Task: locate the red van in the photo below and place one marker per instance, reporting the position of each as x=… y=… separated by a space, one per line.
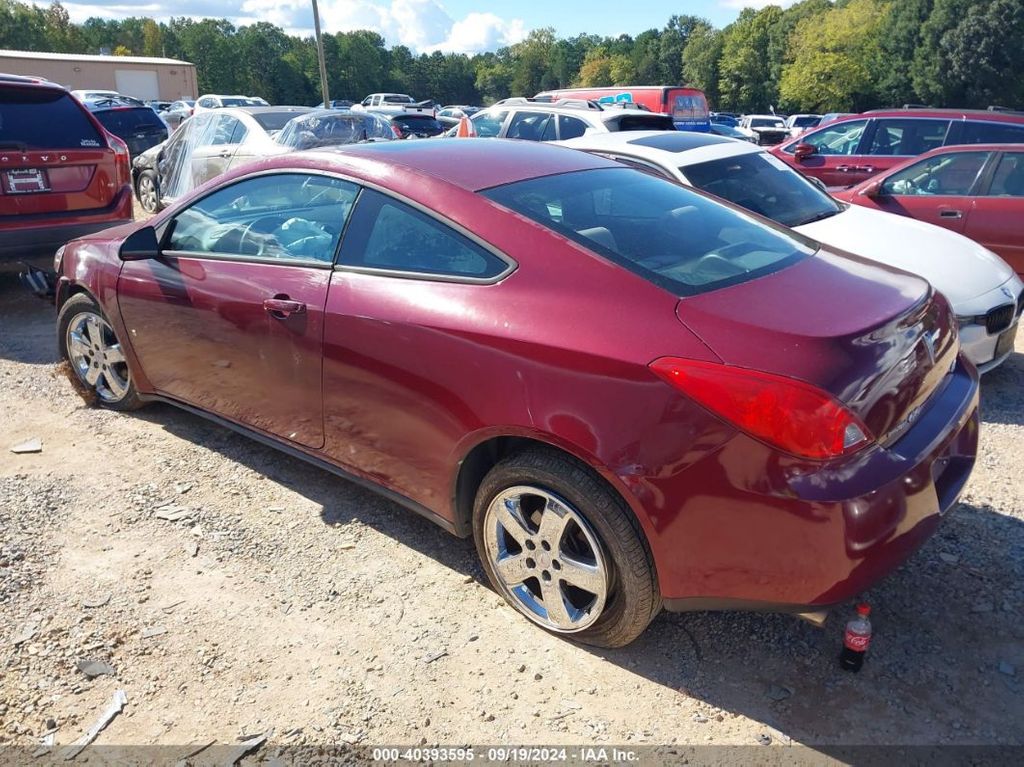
x=688 y=107
x=62 y=174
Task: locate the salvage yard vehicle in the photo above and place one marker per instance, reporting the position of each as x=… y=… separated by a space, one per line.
x=334 y=127
x=205 y=146
x=752 y=421
x=561 y=120
x=395 y=104
x=210 y=101
x=975 y=190
x=850 y=150
x=139 y=127
x=688 y=107
x=766 y=130
x=985 y=293
x=178 y=112
x=62 y=174
x=409 y=124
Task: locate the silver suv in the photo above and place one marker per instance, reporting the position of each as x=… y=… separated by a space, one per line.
x=561 y=120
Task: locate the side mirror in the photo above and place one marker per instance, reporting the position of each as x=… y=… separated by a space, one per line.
x=803 y=151
x=140 y=245
x=874 y=189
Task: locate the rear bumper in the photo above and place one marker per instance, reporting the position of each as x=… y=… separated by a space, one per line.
x=774 y=533
x=33 y=236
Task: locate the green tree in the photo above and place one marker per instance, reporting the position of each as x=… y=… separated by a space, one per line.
x=899 y=44
x=671 y=45
x=836 y=58
x=701 y=58
x=745 y=79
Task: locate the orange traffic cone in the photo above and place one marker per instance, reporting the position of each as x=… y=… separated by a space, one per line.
x=466 y=128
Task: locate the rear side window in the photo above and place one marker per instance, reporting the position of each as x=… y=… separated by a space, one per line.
x=38 y=118
x=670 y=235
x=391 y=236
x=1008 y=180
x=991 y=133
x=529 y=126
x=121 y=122
x=908 y=137
x=570 y=127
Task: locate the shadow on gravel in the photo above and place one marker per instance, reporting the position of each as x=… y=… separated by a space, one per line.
x=27 y=324
x=943 y=625
x=1002 y=392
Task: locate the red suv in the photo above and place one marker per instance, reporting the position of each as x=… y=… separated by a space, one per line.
x=62 y=175
x=848 y=151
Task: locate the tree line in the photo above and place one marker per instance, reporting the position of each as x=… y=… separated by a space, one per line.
x=815 y=55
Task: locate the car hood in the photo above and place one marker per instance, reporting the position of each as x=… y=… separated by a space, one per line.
x=958 y=267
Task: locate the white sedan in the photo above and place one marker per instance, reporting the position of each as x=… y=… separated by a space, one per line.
x=975 y=280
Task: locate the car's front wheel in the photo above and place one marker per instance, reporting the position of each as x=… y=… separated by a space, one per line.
x=149 y=196
x=564 y=550
x=88 y=343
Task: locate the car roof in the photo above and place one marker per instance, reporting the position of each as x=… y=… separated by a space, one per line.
x=673 y=148
x=29 y=81
x=959 y=148
x=770 y=117
x=949 y=114
x=469 y=163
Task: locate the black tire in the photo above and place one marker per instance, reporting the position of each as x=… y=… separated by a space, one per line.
x=633 y=595
x=148 y=202
x=102 y=392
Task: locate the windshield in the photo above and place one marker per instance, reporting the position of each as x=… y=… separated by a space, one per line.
x=805 y=121
x=41 y=118
x=670 y=235
x=332 y=129
x=766 y=122
x=764 y=184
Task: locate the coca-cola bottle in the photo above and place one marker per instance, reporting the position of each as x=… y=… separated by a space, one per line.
x=856 y=639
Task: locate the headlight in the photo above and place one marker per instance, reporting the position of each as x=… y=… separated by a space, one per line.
x=57 y=258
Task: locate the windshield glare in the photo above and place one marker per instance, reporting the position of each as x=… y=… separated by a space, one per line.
x=670 y=235
x=332 y=129
x=765 y=185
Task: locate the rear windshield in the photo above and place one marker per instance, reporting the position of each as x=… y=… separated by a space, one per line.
x=672 y=236
x=397 y=98
x=37 y=118
x=764 y=184
x=646 y=122
x=121 y=122
x=766 y=122
x=272 y=121
x=419 y=122
x=806 y=121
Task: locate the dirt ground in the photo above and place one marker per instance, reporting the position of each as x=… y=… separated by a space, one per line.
x=289 y=601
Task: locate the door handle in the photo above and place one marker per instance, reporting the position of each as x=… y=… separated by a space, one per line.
x=866 y=168
x=951 y=214
x=225 y=154
x=844 y=168
x=282 y=308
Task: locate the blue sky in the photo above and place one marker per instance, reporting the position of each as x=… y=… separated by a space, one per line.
x=466 y=26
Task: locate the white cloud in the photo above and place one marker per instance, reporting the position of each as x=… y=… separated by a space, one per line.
x=422 y=25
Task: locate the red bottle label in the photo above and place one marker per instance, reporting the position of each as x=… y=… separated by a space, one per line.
x=857 y=642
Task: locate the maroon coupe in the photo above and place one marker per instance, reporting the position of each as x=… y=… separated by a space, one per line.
x=630 y=394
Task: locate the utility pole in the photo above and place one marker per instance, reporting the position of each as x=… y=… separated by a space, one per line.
x=320 y=55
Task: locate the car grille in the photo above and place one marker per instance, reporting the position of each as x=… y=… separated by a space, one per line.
x=1000 y=318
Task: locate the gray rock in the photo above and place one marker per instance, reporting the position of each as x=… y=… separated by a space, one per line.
x=34 y=445
x=1007 y=668
x=94 y=668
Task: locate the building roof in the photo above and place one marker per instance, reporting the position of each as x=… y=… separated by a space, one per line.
x=46 y=56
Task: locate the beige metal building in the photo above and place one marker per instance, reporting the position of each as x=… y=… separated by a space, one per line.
x=143 y=78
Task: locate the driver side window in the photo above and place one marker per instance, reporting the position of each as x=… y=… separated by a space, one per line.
x=842 y=139
x=294 y=217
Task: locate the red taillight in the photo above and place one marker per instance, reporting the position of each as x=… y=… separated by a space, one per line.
x=122 y=159
x=788 y=414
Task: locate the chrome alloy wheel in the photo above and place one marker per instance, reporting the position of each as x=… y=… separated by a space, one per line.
x=547 y=558
x=147 y=193
x=96 y=356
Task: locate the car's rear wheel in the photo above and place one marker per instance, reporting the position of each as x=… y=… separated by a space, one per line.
x=95 y=355
x=564 y=550
x=149 y=197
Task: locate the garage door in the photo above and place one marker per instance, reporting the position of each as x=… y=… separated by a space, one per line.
x=140 y=83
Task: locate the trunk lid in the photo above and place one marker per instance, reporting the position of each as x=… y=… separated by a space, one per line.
x=878 y=340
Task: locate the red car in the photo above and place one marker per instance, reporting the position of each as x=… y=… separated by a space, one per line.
x=629 y=393
x=62 y=174
x=848 y=151
x=975 y=190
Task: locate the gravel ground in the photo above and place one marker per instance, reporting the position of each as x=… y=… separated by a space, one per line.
x=286 y=600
